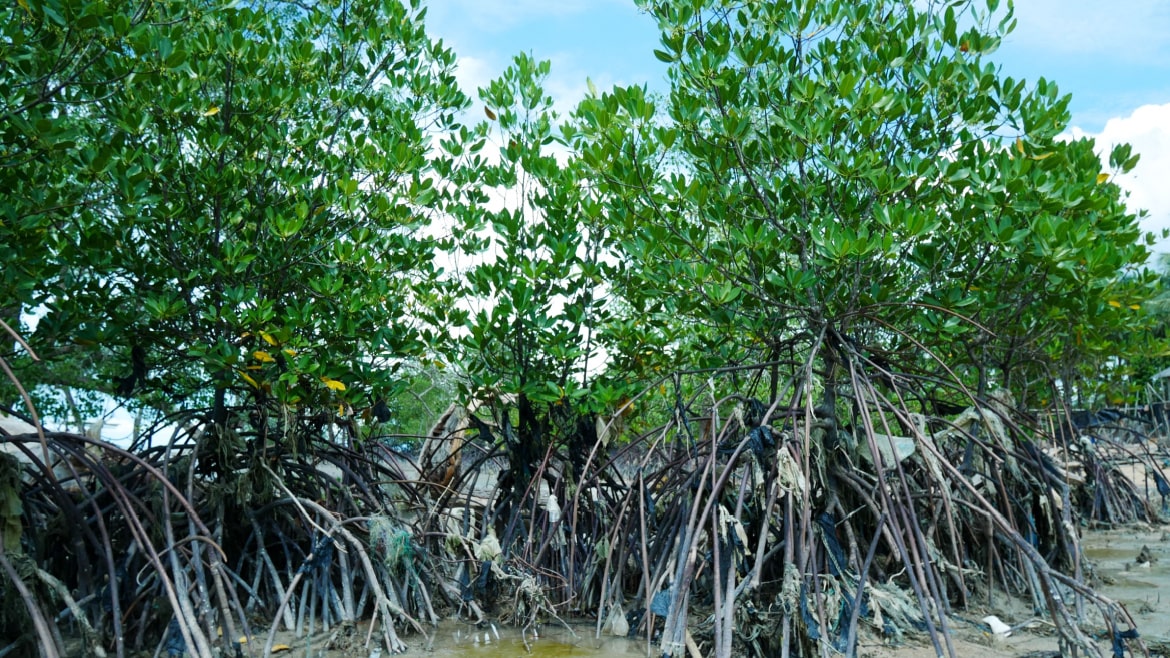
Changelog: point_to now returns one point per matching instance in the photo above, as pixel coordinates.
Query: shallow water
(465, 640)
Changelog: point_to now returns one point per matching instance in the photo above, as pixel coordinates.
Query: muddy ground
(1131, 565)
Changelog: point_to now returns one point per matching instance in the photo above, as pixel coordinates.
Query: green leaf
(664, 56)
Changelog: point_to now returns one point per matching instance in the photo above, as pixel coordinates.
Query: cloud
(1147, 129)
(471, 73)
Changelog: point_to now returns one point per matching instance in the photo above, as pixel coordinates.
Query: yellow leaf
(1114, 303)
(262, 356)
(341, 410)
(290, 352)
(1135, 307)
(333, 384)
(277, 648)
(24, 5)
(243, 639)
(248, 378)
(268, 338)
(1020, 144)
(1042, 156)
(1102, 177)
(211, 111)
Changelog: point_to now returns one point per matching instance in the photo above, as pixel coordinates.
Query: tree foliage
(864, 170)
(256, 181)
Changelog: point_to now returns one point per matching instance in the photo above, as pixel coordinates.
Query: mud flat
(1133, 567)
(1143, 586)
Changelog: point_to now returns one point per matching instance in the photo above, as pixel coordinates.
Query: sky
(1113, 57)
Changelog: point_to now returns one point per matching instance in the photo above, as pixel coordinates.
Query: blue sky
(1114, 58)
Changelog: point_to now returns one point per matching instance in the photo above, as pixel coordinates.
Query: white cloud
(471, 73)
(1148, 131)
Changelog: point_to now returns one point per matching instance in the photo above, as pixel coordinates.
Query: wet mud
(1132, 566)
